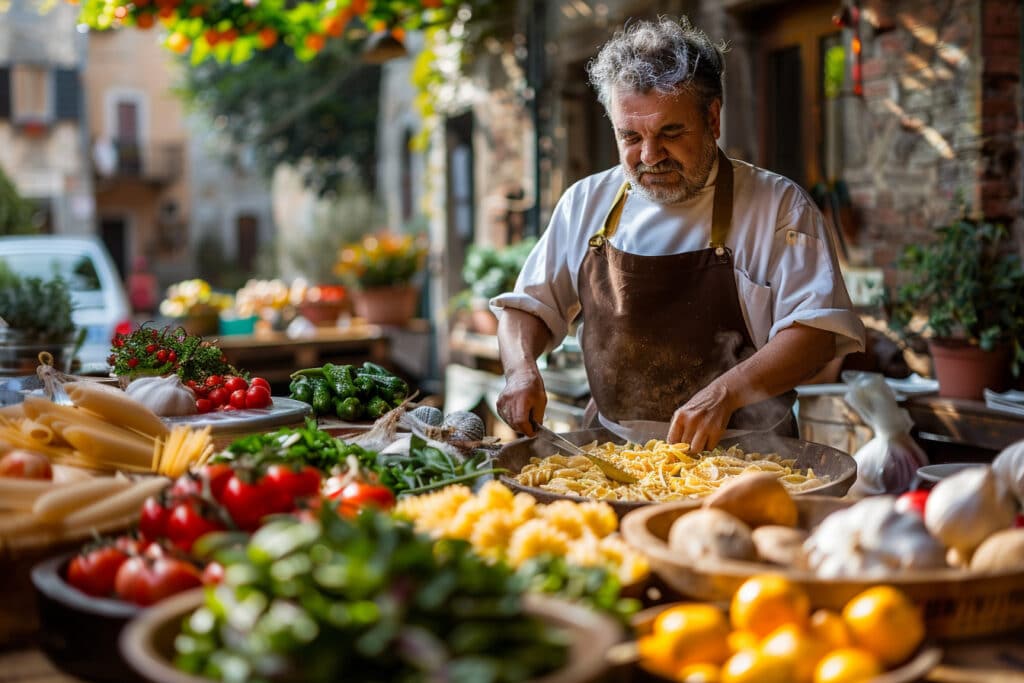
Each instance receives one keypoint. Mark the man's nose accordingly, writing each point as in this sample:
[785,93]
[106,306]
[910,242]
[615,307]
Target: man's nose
[652,152]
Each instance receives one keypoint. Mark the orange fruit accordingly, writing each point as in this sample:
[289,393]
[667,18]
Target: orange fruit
[751,666]
[268,36]
[314,42]
[699,673]
[885,622]
[829,628]
[766,601]
[847,665]
[798,649]
[655,651]
[694,633]
[743,640]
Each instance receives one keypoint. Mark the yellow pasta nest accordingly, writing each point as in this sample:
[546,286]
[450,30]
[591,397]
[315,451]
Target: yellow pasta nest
[515,528]
[665,471]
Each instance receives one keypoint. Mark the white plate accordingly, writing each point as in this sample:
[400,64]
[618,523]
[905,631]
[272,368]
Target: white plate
[283,411]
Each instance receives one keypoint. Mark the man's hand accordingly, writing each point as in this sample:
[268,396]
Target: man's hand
[704,418]
[523,399]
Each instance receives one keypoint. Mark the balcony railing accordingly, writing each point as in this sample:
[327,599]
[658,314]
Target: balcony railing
[153,162]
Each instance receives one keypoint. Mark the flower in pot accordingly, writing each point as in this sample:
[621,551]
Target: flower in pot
[965,292]
[196,304]
[381,270]
[489,271]
[37,317]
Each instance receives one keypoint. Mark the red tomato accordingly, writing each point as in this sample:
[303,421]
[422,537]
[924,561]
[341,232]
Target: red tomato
[233,384]
[213,574]
[186,524]
[912,502]
[25,465]
[238,399]
[94,572]
[358,494]
[214,381]
[216,475]
[248,504]
[219,396]
[145,580]
[186,486]
[256,397]
[259,382]
[153,519]
[294,482]
[204,405]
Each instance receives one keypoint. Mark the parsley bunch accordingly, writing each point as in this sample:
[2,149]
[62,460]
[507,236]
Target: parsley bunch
[162,352]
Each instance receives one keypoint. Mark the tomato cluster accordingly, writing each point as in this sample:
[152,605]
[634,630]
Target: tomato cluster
[133,570]
[230,392]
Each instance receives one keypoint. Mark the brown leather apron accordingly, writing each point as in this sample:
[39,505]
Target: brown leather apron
[658,329]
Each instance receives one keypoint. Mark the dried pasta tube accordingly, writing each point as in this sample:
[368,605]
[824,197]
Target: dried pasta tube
[21,494]
[111,445]
[61,502]
[113,508]
[117,406]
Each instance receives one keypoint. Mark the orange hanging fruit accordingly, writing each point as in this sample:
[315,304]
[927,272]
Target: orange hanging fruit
[885,622]
[315,42]
[766,601]
[267,37]
[847,665]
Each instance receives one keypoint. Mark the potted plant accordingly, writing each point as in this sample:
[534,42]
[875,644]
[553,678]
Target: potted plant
[965,292]
[197,306]
[381,270]
[36,315]
[489,271]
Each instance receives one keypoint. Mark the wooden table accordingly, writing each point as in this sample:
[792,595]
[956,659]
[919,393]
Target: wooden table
[964,423]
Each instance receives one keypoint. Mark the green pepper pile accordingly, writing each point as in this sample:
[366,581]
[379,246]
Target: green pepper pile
[364,600]
[348,392]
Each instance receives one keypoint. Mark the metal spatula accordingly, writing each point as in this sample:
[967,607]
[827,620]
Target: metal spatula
[611,470]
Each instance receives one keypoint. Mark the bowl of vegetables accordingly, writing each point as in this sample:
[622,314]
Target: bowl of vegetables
[365,599]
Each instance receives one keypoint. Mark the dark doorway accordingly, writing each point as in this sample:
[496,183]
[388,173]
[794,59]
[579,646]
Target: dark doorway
[461,214]
[114,233]
[590,144]
[247,234]
[785,132]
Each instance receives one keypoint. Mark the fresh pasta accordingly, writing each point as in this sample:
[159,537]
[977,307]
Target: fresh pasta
[664,471]
[114,404]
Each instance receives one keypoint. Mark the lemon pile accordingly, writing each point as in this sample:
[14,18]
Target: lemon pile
[771,635]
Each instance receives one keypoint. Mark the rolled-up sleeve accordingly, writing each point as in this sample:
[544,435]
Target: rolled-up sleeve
[807,286]
[545,287]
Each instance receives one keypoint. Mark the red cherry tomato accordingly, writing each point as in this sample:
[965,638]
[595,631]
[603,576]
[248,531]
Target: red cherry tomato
[186,486]
[204,405]
[234,383]
[25,465]
[238,399]
[214,381]
[94,572]
[357,495]
[294,482]
[259,382]
[912,502]
[257,397]
[217,475]
[213,574]
[153,519]
[248,503]
[219,396]
[186,524]
[145,580]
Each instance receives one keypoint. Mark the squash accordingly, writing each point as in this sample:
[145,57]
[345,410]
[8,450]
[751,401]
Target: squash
[756,498]
[165,396]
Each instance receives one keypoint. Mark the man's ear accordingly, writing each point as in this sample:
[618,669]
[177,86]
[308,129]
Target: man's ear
[715,117]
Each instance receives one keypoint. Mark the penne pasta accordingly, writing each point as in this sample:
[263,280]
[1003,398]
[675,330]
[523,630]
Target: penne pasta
[110,445]
[37,431]
[114,508]
[58,503]
[22,494]
[115,405]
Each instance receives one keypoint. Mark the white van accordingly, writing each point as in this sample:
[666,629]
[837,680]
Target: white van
[100,303]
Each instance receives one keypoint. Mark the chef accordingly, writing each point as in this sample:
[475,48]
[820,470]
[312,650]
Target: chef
[706,288]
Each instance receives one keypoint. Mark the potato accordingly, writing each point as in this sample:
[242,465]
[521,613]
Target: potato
[1002,551]
[757,499]
[779,544]
[711,534]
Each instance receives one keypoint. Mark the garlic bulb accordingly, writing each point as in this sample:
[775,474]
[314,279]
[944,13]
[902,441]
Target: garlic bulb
[1009,468]
[165,396]
[871,539]
[968,507]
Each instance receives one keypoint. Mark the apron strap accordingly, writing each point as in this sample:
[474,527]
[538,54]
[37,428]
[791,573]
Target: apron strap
[611,221]
[721,213]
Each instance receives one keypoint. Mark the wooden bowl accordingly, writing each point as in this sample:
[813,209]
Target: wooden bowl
[924,660]
[147,643]
[839,468]
[957,603]
[78,632]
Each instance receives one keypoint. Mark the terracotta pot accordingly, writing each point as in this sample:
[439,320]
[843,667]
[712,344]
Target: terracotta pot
[965,370]
[386,305]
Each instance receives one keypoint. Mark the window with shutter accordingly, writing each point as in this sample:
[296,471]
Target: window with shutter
[5,92]
[31,89]
[68,93]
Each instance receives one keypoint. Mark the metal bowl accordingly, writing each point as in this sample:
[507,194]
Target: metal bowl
[838,469]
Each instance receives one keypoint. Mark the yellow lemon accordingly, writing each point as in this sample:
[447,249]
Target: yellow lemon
[766,601]
[694,633]
[743,640]
[847,665]
[751,666]
[656,654]
[885,622]
[829,628]
[797,648]
[699,673]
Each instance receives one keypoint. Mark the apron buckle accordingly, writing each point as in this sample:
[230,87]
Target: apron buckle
[597,241]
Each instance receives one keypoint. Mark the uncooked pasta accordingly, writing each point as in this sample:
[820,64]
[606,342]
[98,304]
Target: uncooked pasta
[664,471]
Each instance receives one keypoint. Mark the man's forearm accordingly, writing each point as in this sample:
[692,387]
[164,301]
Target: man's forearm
[792,356]
[522,337]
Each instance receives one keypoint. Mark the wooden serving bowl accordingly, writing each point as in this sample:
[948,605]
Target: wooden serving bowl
[147,643]
[839,468]
[957,603]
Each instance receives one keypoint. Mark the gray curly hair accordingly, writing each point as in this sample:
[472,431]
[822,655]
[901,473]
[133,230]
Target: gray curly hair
[666,56]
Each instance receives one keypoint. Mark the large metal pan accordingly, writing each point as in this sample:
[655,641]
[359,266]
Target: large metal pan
[838,468]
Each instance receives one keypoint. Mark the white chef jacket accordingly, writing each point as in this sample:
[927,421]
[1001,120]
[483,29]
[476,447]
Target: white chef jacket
[785,266]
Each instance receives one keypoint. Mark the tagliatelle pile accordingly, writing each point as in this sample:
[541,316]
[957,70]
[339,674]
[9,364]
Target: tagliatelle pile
[665,471]
[515,528]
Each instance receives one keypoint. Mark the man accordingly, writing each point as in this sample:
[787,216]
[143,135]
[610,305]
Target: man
[708,287]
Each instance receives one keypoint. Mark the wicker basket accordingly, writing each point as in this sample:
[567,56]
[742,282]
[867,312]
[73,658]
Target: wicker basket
[957,603]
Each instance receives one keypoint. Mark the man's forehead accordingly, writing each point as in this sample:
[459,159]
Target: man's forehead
[651,107]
